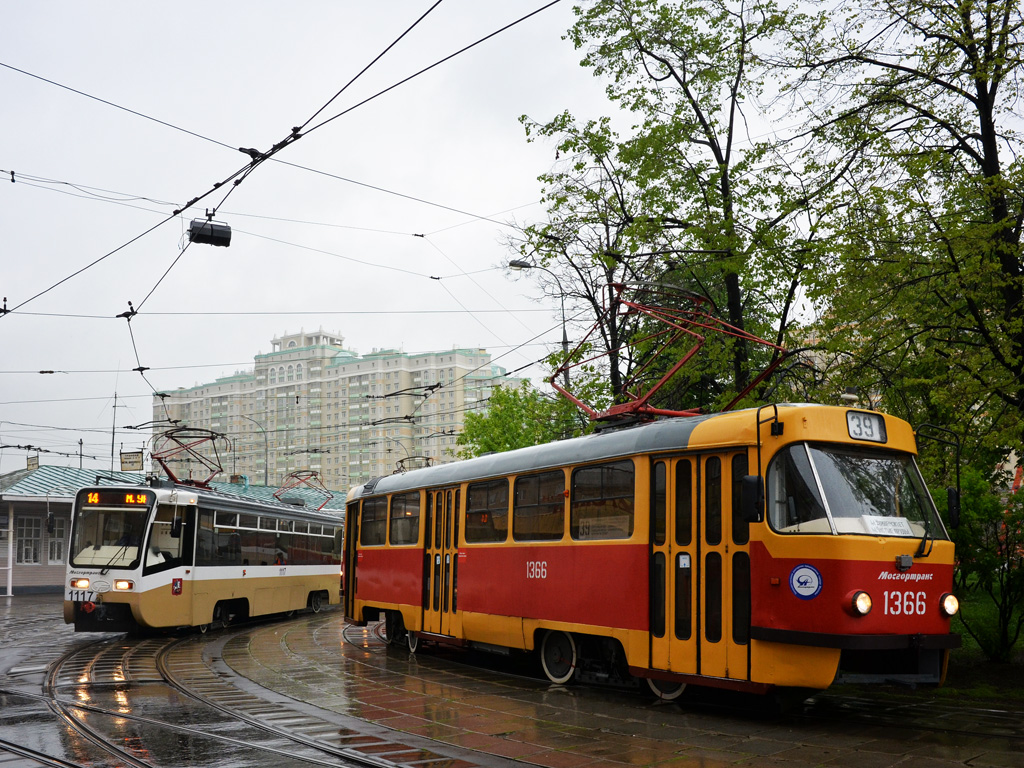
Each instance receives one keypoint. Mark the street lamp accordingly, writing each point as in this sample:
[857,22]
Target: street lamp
[518,265]
[266,449]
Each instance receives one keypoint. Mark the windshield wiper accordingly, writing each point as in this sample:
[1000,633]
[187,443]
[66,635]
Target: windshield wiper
[925,539]
[105,568]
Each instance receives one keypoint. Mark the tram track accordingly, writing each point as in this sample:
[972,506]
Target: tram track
[126,700]
[890,710]
[36,756]
[96,691]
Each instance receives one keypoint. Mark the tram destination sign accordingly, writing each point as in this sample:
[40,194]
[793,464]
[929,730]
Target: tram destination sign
[861,425]
[117,497]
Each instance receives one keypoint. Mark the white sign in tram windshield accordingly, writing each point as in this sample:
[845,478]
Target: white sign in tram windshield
[865,426]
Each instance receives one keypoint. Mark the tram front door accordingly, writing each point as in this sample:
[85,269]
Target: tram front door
[700,567]
[440,591]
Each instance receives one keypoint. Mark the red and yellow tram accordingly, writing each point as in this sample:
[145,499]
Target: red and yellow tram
[785,547]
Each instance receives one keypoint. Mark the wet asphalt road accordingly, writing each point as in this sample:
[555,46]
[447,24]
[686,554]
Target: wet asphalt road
[315,691]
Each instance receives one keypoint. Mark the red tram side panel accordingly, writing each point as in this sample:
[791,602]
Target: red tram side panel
[595,585]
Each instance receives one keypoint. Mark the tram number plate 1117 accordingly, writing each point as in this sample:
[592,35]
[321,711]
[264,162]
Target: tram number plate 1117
[79,596]
[865,426]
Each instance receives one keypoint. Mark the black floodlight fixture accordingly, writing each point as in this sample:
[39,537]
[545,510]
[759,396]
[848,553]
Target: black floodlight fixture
[209,232]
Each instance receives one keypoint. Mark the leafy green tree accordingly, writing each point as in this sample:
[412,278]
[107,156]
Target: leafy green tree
[922,278]
[990,548]
[690,196]
[517,418]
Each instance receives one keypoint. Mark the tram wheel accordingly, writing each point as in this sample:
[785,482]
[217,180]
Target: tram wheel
[394,627]
[220,616]
[412,641]
[558,656]
[203,628]
[666,690]
[316,602]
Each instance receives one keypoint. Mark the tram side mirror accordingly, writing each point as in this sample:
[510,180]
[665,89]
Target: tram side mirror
[953,505]
[176,526]
[751,498]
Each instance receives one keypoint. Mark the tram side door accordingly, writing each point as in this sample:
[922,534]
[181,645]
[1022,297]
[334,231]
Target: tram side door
[724,593]
[440,594]
[674,559]
[700,567]
[351,540]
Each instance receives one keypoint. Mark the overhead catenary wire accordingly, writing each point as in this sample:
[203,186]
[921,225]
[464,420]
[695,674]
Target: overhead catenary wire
[258,158]
[116,106]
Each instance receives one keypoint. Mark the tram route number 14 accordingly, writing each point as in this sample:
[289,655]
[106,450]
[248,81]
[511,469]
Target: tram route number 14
[536,569]
[905,603]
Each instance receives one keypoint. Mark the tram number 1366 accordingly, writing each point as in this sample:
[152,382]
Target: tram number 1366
[904,603]
[536,569]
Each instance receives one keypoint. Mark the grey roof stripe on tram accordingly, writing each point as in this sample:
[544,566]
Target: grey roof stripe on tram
[666,435]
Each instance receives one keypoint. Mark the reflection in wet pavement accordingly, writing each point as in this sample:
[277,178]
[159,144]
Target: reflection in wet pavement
[336,693]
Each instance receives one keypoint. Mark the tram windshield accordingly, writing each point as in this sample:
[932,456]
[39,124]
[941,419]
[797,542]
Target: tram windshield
[108,537]
[839,490]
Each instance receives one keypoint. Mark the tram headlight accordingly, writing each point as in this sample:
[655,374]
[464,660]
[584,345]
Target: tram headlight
[79,583]
[858,603]
[124,585]
[948,604]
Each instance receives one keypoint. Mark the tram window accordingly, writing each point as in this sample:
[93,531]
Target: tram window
[248,521]
[657,607]
[163,551]
[438,520]
[794,503]
[740,527]
[538,512]
[284,525]
[658,505]
[684,600]
[227,519]
[713,500]
[684,503]
[874,492]
[325,546]
[713,597]
[373,528]
[487,511]
[601,503]
[405,518]
[228,546]
[268,524]
[257,547]
[301,527]
[282,548]
[741,598]
[428,529]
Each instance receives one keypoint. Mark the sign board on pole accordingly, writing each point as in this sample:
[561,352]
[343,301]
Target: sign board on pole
[32,462]
[131,461]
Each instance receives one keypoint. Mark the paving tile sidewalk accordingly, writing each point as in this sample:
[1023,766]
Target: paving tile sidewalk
[350,670]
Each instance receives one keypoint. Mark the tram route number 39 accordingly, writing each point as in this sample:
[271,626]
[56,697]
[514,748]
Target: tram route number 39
[536,569]
[905,603]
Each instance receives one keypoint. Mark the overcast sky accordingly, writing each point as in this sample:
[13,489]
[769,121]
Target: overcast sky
[336,246]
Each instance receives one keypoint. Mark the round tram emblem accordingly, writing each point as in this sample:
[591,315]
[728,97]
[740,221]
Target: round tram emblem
[805,581]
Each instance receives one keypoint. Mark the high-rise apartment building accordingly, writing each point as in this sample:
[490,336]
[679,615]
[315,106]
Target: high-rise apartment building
[311,404]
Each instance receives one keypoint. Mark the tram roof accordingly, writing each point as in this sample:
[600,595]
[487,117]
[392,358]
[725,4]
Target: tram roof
[60,484]
[653,437]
